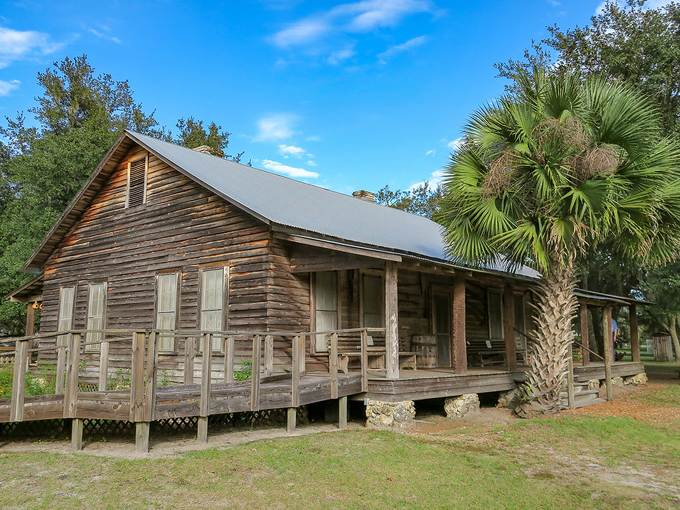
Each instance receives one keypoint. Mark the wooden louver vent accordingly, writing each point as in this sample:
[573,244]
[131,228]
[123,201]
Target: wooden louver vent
[137,183]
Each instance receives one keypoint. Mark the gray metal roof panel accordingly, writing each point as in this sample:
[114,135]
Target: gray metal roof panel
[299,205]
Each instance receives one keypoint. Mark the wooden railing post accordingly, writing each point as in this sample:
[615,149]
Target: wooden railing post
[255,379]
[608,350]
[570,380]
[295,376]
[151,378]
[103,365]
[71,393]
[229,360]
[19,382]
[333,364]
[189,355]
[303,354]
[137,378]
[61,363]
[204,408]
[364,360]
[268,355]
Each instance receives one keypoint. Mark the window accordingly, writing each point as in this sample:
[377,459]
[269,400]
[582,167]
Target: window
[96,303]
[325,306]
[213,293]
[373,308]
[136,182]
[495,315]
[166,309]
[66,304]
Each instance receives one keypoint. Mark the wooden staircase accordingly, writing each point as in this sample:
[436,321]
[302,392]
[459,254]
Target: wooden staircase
[582,396]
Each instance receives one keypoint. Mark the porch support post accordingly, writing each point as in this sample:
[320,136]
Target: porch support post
[634,334]
[509,327]
[585,341]
[608,350]
[459,345]
[391,321]
[30,324]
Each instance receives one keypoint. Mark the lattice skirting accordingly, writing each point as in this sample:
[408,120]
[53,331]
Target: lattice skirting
[61,429]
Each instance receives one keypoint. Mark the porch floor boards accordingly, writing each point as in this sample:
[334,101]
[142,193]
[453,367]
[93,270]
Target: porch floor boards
[444,382]
[181,401]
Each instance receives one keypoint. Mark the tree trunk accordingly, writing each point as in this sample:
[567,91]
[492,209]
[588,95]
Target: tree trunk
[553,339]
[674,335]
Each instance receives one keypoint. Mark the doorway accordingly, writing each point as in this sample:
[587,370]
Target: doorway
[442,308]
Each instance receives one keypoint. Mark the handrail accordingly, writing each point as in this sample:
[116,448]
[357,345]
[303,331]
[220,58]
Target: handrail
[584,347]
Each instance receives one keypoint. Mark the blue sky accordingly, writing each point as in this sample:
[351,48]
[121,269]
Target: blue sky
[352,95]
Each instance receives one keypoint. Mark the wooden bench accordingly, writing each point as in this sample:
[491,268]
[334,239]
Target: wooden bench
[491,357]
[376,359]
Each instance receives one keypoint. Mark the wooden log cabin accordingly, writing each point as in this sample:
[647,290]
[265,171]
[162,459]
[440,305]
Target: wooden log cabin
[170,239]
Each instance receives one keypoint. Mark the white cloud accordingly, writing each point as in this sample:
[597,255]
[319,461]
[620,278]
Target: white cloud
[435,180]
[18,45]
[275,128]
[340,56]
[280,168]
[8,86]
[291,150]
[456,144]
[399,48]
[313,138]
[311,163]
[430,152]
[105,36]
[361,16]
[554,2]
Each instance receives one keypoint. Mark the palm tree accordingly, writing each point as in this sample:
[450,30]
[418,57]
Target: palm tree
[544,176]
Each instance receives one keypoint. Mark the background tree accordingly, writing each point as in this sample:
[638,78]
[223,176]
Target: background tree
[550,172]
[79,116]
[423,199]
[662,286]
[626,41]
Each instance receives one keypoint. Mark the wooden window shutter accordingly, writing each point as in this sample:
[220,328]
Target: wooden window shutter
[136,183]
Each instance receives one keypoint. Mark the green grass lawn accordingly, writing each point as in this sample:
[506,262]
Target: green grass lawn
[571,461]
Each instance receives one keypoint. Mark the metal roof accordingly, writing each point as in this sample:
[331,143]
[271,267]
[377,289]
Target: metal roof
[279,201]
[291,203]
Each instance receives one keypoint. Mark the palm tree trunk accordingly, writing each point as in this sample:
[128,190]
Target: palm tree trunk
[553,338]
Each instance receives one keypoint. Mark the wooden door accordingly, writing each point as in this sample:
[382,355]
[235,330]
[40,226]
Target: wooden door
[442,308]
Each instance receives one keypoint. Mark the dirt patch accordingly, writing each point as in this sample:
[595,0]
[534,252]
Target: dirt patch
[624,405]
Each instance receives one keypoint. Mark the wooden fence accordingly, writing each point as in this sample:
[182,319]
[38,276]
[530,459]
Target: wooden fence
[202,376]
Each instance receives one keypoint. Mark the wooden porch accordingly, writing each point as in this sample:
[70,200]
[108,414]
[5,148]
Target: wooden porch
[440,382]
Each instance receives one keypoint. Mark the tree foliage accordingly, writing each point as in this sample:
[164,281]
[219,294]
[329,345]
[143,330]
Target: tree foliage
[423,199]
[550,172]
[626,41]
[79,115]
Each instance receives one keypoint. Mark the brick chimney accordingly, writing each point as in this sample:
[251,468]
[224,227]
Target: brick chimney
[364,195]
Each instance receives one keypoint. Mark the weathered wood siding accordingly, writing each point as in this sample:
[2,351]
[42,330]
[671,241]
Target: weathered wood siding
[181,228]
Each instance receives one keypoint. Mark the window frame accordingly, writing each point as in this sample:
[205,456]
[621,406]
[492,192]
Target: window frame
[315,350]
[88,336]
[520,339]
[145,157]
[499,292]
[61,339]
[178,280]
[217,346]
[362,297]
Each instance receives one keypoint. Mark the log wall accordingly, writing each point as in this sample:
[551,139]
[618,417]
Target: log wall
[181,228]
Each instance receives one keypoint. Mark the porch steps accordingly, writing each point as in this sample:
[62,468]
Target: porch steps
[582,397]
